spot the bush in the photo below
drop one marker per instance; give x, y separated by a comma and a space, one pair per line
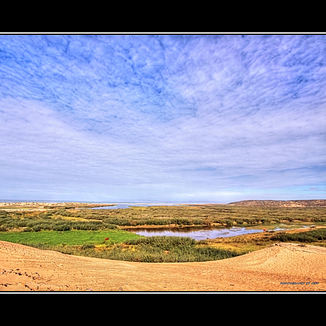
87, 246
164, 243
109, 226
307, 236
3, 214
170, 249
61, 228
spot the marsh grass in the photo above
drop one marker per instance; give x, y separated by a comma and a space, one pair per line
40, 223
83, 231
307, 236
154, 250
196, 215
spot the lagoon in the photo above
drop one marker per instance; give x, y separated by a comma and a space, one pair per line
199, 234
128, 205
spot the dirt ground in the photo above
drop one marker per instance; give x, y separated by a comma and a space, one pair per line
280, 267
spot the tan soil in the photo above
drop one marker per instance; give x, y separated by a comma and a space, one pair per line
281, 267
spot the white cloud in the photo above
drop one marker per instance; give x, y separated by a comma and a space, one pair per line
162, 116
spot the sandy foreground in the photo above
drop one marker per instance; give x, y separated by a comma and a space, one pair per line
281, 267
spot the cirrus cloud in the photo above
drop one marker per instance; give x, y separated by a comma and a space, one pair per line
162, 117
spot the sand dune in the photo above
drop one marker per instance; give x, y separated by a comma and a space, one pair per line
281, 267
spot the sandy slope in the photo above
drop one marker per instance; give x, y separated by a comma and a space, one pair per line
283, 267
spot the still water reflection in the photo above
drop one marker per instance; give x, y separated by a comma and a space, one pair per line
201, 234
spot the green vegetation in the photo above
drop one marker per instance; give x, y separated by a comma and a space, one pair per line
55, 238
205, 215
36, 221
118, 244
99, 233
176, 249
65, 219
153, 249
307, 236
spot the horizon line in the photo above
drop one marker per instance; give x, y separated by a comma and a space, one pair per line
147, 202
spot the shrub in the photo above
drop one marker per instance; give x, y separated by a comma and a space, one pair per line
3, 214
87, 246
109, 226
307, 236
164, 243
171, 249
61, 228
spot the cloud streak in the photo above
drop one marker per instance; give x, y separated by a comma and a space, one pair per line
162, 117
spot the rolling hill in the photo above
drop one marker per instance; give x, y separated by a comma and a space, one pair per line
281, 203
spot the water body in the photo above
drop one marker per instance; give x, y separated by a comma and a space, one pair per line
121, 206
201, 234
210, 233
112, 207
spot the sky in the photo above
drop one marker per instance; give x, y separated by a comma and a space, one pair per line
162, 118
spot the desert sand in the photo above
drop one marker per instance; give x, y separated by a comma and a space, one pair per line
280, 267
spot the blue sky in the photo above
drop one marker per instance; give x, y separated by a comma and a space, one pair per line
178, 118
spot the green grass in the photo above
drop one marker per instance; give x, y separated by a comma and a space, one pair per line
122, 245
78, 237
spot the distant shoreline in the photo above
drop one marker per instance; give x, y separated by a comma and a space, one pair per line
109, 203
248, 203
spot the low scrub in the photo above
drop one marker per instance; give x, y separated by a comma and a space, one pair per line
308, 236
29, 224
163, 250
